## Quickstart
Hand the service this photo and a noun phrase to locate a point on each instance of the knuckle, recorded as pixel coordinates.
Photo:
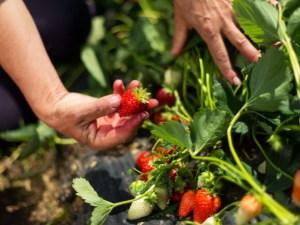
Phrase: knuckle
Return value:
(221, 56)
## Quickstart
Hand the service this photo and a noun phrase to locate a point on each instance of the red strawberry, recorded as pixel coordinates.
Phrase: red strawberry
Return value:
(133, 101)
(249, 208)
(176, 196)
(205, 205)
(143, 158)
(144, 161)
(165, 97)
(187, 203)
(173, 175)
(296, 189)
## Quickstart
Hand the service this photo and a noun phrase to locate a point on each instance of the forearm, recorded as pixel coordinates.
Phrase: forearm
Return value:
(23, 56)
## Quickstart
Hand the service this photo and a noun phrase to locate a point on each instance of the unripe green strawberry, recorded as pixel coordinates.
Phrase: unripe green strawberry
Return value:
(139, 209)
(136, 186)
(249, 208)
(205, 205)
(133, 101)
(162, 197)
(186, 206)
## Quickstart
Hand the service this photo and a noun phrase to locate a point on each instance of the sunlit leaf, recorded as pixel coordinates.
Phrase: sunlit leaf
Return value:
(88, 194)
(259, 19)
(174, 133)
(269, 82)
(207, 128)
(89, 58)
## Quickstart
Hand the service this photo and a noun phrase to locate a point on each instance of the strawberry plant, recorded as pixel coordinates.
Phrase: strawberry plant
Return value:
(218, 124)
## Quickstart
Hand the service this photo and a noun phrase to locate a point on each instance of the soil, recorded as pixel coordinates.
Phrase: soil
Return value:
(37, 190)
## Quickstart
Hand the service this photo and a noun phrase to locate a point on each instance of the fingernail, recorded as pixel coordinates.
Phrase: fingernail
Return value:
(115, 101)
(236, 81)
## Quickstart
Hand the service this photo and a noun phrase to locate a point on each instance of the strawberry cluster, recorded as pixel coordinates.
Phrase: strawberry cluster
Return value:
(176, 183)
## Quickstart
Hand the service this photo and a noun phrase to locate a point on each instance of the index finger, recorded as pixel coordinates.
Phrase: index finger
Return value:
(220, 55)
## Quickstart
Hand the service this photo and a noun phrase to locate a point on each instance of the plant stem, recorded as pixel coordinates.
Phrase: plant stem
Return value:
(285, 216)
(136, 198)
(64, 141)
(268, 159)
(293, 57)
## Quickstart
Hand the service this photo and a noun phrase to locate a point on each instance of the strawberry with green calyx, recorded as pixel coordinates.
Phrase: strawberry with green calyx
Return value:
(186, 206)
(136, 187)
(205, 205)
(133, 101)
(249, 208)
(144, 158)
(208, 180)
(296, 189)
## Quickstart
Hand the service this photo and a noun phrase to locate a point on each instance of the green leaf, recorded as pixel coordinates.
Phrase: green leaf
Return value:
(269, 82)
(88, 194)
(30, 147)
(207, 128)
(226, 99)
(89, 58)
(137, 40)
(19, 135)
(97, 31)
(293, 26)
(100, 214)
(154, 33)
(288, 160)
(289, 6)
(174, 133)
(259, 19)
(291, 106)
(45, 133)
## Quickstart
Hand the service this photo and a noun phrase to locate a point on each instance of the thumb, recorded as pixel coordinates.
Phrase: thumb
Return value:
(101, 107)
(180, 33)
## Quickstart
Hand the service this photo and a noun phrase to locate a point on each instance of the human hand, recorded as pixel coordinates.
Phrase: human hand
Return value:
(212, 20)
(96, 122)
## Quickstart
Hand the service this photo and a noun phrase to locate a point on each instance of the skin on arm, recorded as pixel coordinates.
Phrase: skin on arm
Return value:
(93, 121)
(213, 20)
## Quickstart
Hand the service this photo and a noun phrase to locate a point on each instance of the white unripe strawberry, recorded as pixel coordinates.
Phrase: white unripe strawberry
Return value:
(212, 221)
(139, 209)
(162, 197)
(249, 208)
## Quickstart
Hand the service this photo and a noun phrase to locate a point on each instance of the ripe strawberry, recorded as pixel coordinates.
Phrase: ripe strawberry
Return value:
(139, 209)
(145, 169)
(296, 189)
(205, 205)
(165, 150)
(187, 203)
(165, 97)
(249, 208)
(133, 101)
(176, 196)
(143, 158)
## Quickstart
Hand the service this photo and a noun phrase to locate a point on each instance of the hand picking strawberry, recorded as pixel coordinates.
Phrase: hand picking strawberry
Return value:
(134, 100)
